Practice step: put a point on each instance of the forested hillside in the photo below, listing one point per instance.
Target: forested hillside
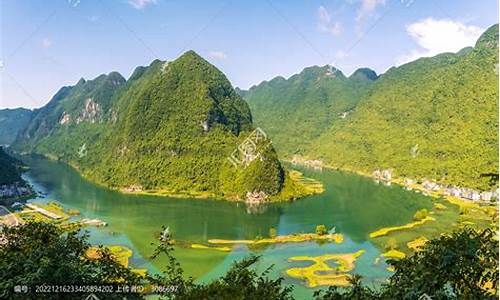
(297, 110)
(170, 128)
(12, 121)
(9, 169)
(75, 115)
(434, 118)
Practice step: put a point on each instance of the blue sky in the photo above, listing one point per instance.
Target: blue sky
(49, 44)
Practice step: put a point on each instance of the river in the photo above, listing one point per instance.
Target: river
(355, 205)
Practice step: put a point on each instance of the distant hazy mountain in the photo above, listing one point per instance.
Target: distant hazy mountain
(298, 110)
(12, 121)
(435, 117)
(87, 104)
(171, 127)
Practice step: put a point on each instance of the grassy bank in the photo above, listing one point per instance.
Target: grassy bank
(295, 186)
(322, 274)
(294, 238)
(446, 217)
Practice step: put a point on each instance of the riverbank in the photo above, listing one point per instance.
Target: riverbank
(446, 216)
(427, 187)
(322, 274)
(296, 186)
(16, 192)
(293, 238)
(449, 212)
(352, 204)
(387, 230)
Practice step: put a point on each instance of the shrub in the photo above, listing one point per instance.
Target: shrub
(421, 214)
(272, 232)
(391, 244)
(321, 230)
(460, 265)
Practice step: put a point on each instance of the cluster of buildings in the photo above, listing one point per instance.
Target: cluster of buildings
(385, 175)
(309, 163)
(447, 190)
(256, 197)
(15, 190)
(464, 193)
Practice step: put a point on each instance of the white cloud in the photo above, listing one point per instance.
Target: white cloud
(367, 8)
(140, 4)
(46, 43)
(325, 23)
(437, 36)
(217, 55)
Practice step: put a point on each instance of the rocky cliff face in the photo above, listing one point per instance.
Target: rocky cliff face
(74, 116)
(91, 112)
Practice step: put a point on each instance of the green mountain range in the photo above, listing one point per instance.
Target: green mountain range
(434, 118)
(296, 111)
(169, 129)
(12, 121)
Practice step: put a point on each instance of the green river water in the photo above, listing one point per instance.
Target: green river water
(355, 205)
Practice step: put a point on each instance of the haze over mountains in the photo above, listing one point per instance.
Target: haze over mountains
(12, 121)
(171, 126)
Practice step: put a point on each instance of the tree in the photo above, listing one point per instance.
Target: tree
(421, 214)
(391, 244)
(240, 282)
(321, 230)
(354, 292)
(36, 254)
(272, 232)
(460, 265)
(463, 263)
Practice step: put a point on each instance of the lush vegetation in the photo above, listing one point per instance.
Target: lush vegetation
(43, 255)
(421, 214)
(37, 254)
(461, 265)
(297, 110)
(169, 129)
(321, 230)
(9, 168)
(434, 118)
(12, 121)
